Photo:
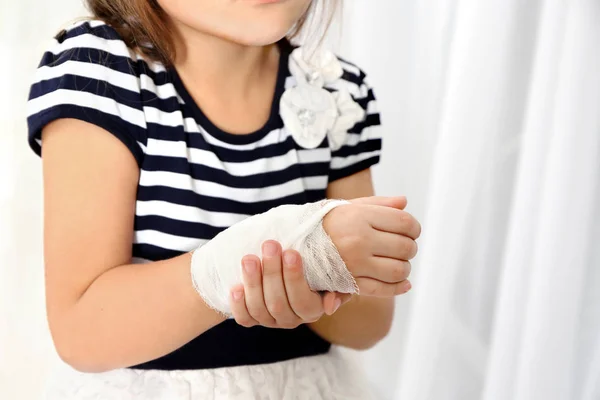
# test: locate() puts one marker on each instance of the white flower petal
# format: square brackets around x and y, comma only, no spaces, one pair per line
[321,68]
[349,114]
[330,66]
[309,113]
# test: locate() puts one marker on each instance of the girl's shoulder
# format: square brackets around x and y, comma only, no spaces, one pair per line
[91,27]
[95,42]
[88,72]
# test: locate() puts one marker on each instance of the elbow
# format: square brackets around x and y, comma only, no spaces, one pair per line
[79,359]
[77,352]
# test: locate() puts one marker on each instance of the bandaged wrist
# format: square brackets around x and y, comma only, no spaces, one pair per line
[216,266]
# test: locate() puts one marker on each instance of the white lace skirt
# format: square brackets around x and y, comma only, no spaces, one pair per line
[332,376]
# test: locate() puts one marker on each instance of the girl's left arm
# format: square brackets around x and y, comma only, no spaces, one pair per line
[363,321]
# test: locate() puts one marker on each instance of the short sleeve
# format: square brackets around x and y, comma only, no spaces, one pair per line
[88,73]
[362,148]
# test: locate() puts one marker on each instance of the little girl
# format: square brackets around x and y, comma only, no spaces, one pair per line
[166,122]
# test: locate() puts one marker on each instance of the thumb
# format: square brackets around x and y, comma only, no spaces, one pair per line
[398,202]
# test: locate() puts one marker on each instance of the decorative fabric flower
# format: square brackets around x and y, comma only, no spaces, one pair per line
[310,112]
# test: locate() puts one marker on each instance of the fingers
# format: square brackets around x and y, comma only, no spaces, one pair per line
[388,270]
[305,303]
[375,288]
[239,309]
[276,298]
[393,202]
[277,295]
[391,245]
[333,301]
[253,291]
[394,221]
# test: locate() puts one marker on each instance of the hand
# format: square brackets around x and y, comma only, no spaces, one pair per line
[376,240]
[275,293]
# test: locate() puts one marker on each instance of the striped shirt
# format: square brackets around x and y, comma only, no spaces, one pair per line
[196,179]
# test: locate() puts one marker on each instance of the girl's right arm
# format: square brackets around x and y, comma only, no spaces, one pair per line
[105,313]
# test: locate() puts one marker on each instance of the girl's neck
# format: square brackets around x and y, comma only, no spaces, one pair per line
[233,84]
[215,62]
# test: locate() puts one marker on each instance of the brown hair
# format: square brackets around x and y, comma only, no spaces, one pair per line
[143,24]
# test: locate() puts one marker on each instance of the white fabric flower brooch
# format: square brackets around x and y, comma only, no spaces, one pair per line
[309,111]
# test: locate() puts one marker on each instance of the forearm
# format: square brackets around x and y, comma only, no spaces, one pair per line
[133,314]
[359,324]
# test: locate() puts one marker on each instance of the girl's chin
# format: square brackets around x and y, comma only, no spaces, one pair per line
[254,36]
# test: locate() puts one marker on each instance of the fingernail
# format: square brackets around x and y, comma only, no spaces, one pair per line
[407,286]
[337,304]
[237,295]
[289,258]
[269,249]
[250,266]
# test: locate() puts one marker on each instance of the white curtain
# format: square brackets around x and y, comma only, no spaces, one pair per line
[506,302]
[492,111]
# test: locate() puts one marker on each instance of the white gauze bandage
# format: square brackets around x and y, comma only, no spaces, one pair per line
[216,266]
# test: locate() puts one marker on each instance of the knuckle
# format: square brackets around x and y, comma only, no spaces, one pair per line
[415,249]
[307,313]
[418,229]
[302,309]
[253,284]
[308,318]
[276,306]
[408,248]
[316,315]
[250,286]
[261,316]
[289,324]
[245,322]
[269,272]
[400,289]
[248,323]
[410,224]
[314,318]
[407,269]
[400,272]
[404,218]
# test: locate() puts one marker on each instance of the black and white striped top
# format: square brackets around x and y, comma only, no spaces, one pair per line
[195,179]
